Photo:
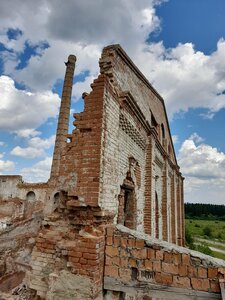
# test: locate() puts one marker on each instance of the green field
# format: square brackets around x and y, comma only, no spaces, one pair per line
[213,233]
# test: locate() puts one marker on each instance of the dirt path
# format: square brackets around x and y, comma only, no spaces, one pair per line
[217,250]
[210,242]
[214,243]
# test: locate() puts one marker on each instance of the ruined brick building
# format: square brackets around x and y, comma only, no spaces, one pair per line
[109,223]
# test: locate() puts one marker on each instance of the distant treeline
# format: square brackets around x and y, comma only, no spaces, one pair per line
[204,211]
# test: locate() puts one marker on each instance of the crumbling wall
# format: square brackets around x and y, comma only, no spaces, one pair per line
[117,166]
[70,247]
[138,267]
[16,244]
[79,174]
[9,186]
[21,213]
[19,200]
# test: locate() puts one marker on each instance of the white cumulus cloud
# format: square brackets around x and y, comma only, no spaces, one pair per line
[203,167]
[196,138]
[22,111]
[28,152]
[39,172]
[77,27]
[36,147]
[6,166]
[82,86]
[186,78]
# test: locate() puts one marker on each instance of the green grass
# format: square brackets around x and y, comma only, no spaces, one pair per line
[196,227]
[217,246]
[219,255]
[210,230]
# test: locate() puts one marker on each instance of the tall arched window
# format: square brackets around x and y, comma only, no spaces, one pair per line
[169,150]
[162,131]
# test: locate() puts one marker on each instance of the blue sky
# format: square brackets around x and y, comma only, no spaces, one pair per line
[178,44]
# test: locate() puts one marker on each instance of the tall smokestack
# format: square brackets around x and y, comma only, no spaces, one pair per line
[64,115]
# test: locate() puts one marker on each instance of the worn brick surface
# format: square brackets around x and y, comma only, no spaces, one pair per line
[161,266]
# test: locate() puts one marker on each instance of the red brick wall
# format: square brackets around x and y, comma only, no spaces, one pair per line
[83,154]
[179,240]
[131,259]
[182,213]
[61,247]
[173,224]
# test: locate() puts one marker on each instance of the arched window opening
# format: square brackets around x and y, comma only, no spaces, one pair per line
[129,208]
[153,121]
[56,198]
[169,150]
[30,196]
[162,131]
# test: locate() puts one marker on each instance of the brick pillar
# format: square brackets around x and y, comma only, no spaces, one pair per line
[178,213]
[173,222]
[164,204]
[148,189]
[64,115]
[182,212]
[156,216]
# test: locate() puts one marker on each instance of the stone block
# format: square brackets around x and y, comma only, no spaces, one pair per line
[162,278]
[112,271]
[200,284]
[181,282]
[169,268]
[111,251]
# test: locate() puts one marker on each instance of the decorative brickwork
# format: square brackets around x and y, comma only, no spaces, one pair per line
[132,132]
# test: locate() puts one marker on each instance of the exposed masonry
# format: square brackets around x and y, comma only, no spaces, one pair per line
[71,237]
[132,132]
[136,265]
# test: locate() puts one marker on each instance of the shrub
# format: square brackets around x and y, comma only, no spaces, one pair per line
[219,235]
[203,248]
[207,231]
[189,239]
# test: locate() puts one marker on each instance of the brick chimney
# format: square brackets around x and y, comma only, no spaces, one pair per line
[64,115]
